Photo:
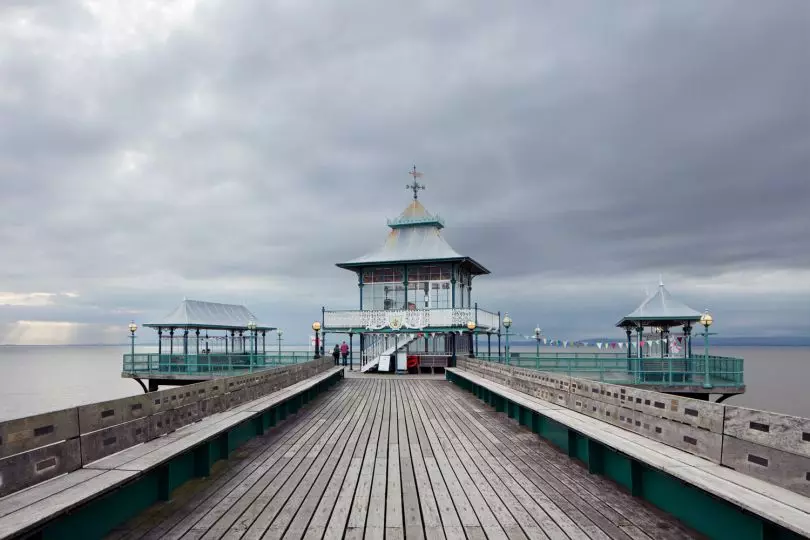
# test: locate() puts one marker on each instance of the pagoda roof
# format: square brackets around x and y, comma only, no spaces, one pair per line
[415,236]
[209,315]
[658,309]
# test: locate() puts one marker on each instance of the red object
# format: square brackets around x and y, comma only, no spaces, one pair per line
[413,361]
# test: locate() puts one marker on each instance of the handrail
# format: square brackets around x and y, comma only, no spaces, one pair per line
[50,444]
[200,364]
[724,372]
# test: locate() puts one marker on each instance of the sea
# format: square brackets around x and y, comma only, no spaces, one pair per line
[37,379]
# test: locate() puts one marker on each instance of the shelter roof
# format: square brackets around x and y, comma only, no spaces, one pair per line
[209,315]
[415,236]
[658,309]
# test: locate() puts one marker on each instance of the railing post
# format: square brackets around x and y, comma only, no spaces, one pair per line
[669,363]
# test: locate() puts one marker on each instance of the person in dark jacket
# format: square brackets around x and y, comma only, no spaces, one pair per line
[336,353]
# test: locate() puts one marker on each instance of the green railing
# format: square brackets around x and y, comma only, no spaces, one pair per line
[617,368]
[153,364]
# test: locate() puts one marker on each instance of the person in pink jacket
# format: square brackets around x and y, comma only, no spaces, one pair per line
[344,351]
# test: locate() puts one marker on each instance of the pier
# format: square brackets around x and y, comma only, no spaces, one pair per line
[488,451]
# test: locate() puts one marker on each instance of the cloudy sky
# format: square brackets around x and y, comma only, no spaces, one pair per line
[234,151]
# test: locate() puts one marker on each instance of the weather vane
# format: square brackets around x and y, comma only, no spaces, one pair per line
[416,186]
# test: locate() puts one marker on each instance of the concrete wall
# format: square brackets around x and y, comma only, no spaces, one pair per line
[770,446]
[40,447]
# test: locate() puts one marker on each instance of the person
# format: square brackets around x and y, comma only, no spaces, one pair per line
[344,350]
[336,353]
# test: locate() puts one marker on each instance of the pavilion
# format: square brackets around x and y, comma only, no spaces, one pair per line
[415,297]
[198,340]
[660,312]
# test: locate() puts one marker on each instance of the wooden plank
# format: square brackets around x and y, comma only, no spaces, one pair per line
[460,499]
[274,519]
[595,490]
[394,525]
[431,519]
[496,495]
[428,474]
[34,466]
[317,525]
[241,512]
[27,497]
[450,458]
[22,434]
[375,520]
[412,519]
[326,487]
[327,453]
[344,505]
[597,511]
[26,518]
[362,494]
[567,510]
[210,504]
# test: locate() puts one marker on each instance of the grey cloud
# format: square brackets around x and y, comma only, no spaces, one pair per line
[261,143]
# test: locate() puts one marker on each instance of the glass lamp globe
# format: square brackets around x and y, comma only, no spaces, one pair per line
[316,326]
[507,321]
[537,332]
[706,319]
[133,327]
[471,325]
[280,332]
[251,325]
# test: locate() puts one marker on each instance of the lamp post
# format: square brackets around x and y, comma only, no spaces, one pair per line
[538,336]
[507,322]
[706,320]
[252,327]
[279,333]
[132,328]
[317,327]
[471,328]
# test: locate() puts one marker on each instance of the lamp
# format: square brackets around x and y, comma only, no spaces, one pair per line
[316,326]
[279,333]
[706,320]
[537,337]
[252,327]
[507,322]
[132,328]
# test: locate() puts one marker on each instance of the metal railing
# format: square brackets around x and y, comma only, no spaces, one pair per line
[616,368]
[410,320]
[147,364]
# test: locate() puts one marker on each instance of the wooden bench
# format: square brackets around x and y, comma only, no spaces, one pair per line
[625,456]
[127,482]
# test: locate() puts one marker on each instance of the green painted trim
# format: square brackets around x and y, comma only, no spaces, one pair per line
[101,515]
[698,509]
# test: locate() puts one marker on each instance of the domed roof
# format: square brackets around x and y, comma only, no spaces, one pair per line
[415,236]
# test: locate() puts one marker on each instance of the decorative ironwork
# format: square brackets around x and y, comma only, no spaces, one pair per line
[416,186]
[411,319]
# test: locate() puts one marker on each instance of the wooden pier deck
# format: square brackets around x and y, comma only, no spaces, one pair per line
[401,458]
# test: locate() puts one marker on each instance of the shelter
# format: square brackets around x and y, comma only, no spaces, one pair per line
[197,321]
[660,311]
[415,296]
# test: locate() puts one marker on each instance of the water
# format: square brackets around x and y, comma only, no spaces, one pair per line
[41,379]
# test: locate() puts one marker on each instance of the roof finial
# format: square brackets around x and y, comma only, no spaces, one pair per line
[660,280]
[416,186]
